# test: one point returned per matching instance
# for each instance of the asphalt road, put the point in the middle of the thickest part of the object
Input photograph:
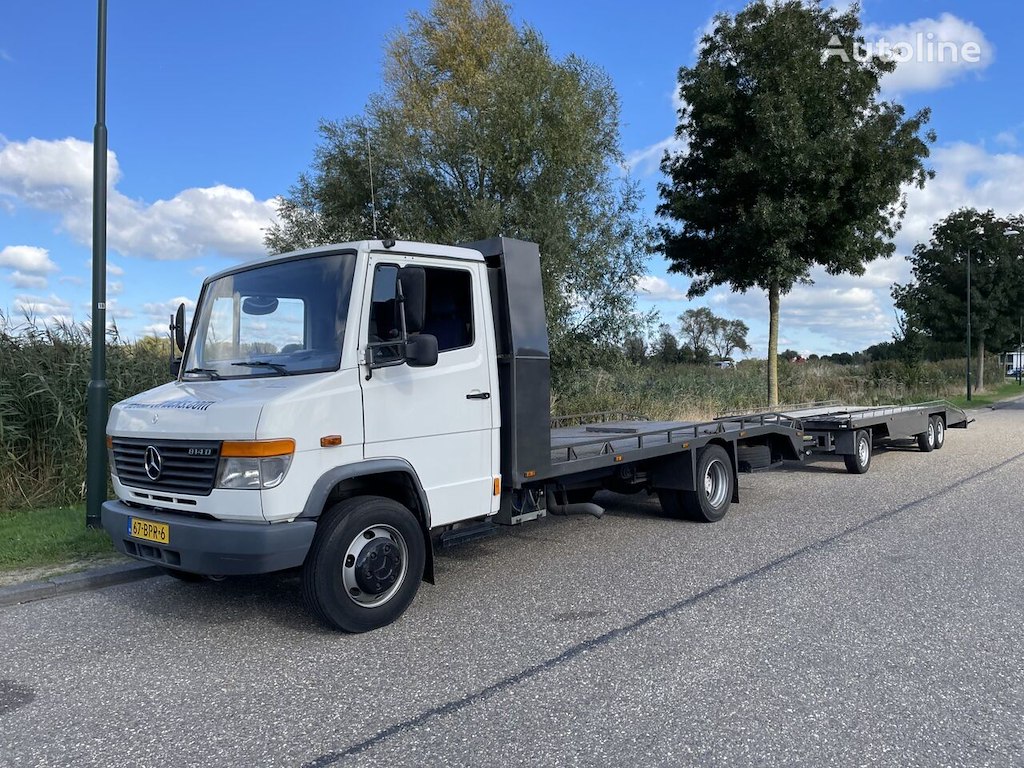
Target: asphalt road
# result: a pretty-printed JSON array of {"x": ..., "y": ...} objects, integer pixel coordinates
[{"x": 830, "y": 619}]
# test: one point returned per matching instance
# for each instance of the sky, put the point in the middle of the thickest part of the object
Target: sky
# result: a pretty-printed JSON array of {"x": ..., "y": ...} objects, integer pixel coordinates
[{"x": 212, "y": 110}]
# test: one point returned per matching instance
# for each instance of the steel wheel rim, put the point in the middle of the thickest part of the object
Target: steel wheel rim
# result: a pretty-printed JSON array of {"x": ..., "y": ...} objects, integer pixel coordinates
[
  {"x": 716, "y": 483},
  {"x": 353, "y": 589},
  {"x": 940, "y": 430},
  {"x": 863, "y": 451},
  {"x": 931, "y": 433}
]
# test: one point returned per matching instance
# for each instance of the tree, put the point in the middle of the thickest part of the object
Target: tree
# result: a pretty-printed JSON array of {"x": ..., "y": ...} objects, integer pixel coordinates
[
  {"x": 792, "y": 161},
  {"x": 635, "y": 349},
  {"x": 666, "y": 347},
  {"x": 479, "y": 130},
  {"x": 700, "y": 326},
  {"x": 936, "y": 301},
  {"x": 730, "y": 335}
]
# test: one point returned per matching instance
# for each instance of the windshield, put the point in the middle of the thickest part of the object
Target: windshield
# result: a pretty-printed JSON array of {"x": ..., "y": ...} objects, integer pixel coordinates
[{"x": 284, "y": 318}]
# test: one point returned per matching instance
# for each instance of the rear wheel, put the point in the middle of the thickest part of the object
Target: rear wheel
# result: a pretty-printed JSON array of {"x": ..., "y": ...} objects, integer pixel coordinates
[
  {"x": 926, "y": 440},
  {"x": 710, "y": 501},
  {"x": 860, "y": 460},
  {"x": 365, "y": 565},
  {"x": 940, "y": 431}
]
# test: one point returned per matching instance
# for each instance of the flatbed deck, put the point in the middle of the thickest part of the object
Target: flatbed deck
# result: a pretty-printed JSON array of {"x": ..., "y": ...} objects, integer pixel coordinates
[
  {"x": 592, "y": 441},
  {"x": 833, "y": 416}
]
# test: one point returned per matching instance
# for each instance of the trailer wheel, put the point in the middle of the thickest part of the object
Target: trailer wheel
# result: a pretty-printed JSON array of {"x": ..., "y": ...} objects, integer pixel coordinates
[
  {"x": 713, "y": 495},
  {"x": 860, "y": 460},
  {"x": 365, "y": 565},
  {"x": 926, "y": 440},
  {"x": 940, "y": 431}
]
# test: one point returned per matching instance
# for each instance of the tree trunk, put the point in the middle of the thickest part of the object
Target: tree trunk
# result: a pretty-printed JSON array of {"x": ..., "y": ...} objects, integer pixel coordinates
[
  {"x": 981, "y": 364},
  {"x": 773, "y": 344}
]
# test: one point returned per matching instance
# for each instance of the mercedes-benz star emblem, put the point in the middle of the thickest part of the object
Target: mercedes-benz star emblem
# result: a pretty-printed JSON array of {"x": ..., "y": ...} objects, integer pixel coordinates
[{"x": 153, "y": 463}]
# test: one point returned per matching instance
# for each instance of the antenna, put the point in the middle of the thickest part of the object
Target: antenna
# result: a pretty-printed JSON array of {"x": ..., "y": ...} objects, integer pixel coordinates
[{"x": 373, "y": 201}]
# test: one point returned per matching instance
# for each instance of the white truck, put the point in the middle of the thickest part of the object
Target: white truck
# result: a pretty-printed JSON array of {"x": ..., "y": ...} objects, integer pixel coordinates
[{"x": 339, "y": 409}]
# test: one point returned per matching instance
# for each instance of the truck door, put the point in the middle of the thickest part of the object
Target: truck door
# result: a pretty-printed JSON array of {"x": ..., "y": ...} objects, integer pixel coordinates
[{"x": 438, "y": 418}]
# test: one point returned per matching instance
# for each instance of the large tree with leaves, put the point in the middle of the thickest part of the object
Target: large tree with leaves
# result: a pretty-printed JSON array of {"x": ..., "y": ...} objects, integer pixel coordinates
[
  {"x": 792, "y": 160},
  {"x": 935, "y": 302},
  {"x": 480, "y": 131}
]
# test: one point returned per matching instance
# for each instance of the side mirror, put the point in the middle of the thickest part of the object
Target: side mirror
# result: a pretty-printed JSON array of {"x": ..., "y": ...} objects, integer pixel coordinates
[
  {"x": 421, "y": 350},
  {"x": 175, "y": 367},
  {"x": 178, "y": 327}
]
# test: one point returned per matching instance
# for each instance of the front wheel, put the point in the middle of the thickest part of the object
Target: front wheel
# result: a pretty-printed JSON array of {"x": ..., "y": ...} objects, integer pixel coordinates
[
  {"x": 710, "y": 500},
  {"x": 365, "y": 565},
  {"x": 939, "y": 427}
]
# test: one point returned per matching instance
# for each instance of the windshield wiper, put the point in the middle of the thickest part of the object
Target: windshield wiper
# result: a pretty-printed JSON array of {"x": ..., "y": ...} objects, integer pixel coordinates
[
  {"x": 208, "y": 371},
  {"x": 264, "y": 364}
]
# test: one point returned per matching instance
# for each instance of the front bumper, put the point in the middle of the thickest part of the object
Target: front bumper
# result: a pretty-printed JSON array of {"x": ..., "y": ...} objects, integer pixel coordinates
[{"x": 211, "y": 547}]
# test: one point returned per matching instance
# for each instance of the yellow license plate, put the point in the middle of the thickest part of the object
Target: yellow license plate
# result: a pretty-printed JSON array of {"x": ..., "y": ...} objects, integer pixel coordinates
[{"x": 148, "y": 530}]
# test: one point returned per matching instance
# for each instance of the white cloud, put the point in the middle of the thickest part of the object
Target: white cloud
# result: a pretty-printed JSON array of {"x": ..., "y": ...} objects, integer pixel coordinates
[
  {"x": 113, "y": 269},
  {"x": 47, "y": 310},
  {"x": 71, "y": 279},
  {"x": 198, "y": 271},
  {"x": 1007, "y": 139},
  {"x": 939, "y": 51},
  {"x": 159, "y": 312},
  {"x": 647, "y": 161},
  {"x": 114, "y": 310},
  {"x": 56, "y": 176},
  {"x": 657, "y": 289},
  {"x": 115, "y": 287},
  {"x": 165, "y": 308},
  {"x": 27, "y": 258},
  {"x": 32, "y": 282}
]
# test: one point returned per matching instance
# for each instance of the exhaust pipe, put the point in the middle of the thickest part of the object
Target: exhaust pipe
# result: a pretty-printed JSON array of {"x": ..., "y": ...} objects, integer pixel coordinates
[{"x": 589, "y": 508}]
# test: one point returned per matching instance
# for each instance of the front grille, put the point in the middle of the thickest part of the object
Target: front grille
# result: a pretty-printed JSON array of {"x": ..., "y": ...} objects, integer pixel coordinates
[{"x": 187, "y": 466}]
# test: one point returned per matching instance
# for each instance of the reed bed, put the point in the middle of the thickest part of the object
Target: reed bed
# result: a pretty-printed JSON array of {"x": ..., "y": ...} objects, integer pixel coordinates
[{"x": 44, "y": 375}]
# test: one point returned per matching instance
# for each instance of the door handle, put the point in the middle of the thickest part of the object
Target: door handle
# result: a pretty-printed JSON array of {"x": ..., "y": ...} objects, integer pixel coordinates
[{"x": 479, "y": 396}]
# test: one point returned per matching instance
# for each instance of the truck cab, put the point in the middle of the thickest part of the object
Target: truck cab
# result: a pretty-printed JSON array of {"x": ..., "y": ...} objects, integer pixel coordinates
[{"x": 362, "y": 370}]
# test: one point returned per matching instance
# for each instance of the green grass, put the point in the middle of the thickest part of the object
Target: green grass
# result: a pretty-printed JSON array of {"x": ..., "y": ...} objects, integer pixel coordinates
[
  {"x": 41, "y": 537},
  {"x": 989, "y": 396}
]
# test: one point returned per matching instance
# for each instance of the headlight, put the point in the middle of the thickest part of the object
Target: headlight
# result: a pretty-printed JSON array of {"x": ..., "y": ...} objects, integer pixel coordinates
[{"x": 254, "y": 464}]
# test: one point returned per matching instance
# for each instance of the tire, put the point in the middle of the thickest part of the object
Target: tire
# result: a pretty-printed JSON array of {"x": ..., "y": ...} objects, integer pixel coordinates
[
  {"x": 710, "y": 502},
  {"x": 753, "y": 456},
  {"x": 186, "y": 576},
  {"x": 926, "y": 440},
  {"x": 340, "y": 584},
  {"x": 940, "y": 431},
  {"x": 860, "y": 460}
]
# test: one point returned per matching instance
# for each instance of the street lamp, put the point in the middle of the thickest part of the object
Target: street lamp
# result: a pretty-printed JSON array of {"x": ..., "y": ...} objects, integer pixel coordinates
[
  {"x": 1009, "y": 232},
  {"x": 1020, "y": 327},
  {"x": 979, "y": 230}
]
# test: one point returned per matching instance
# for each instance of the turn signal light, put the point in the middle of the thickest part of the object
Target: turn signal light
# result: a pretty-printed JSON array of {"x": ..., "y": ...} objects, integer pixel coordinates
[{"x": 257, "y": 448}]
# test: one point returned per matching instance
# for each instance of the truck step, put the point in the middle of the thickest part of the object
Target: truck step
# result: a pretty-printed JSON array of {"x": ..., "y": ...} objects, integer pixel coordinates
[{"x": 465, "y": 534}]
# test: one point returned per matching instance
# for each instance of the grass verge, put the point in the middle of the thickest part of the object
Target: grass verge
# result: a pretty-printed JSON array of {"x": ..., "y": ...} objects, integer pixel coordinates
[
  {"x": 989, "y": 396},
  {"x": 40, "y": 537}
]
